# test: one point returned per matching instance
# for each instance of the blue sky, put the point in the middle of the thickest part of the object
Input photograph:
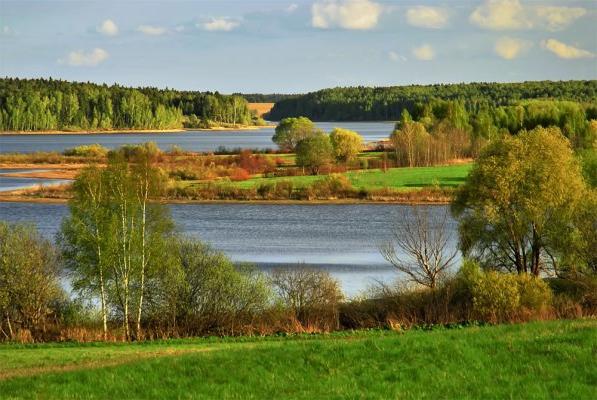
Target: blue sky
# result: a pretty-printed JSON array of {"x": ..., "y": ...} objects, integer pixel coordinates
[{"x": 289, "y": 46}]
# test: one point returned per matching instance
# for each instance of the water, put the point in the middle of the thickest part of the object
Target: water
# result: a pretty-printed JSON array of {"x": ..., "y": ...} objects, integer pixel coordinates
[
  {"x": 342, "y": 239},
  {"x": 189, "y": 140},
  {"x": 8, "y": 183}
]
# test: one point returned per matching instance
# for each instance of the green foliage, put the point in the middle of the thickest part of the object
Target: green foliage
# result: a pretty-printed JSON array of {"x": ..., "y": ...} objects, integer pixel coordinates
[
  {"x": 347, "y": 144},
  {"x": 588, "y": 161},
  {"x": 208, "y": 293},
  {"x": 498, "y": 297},
  {"x": 113, "y": 242},
  {"x": 290, "y": 131},
  {"x": 518, "y": 205},
  {"x": 481, "y": 110},
  {"x": 314, "y": 152},
  {"x": 29, "y": 272},
  {"x": 40, "y": 104},
  {"x": 92, "y": 150}
]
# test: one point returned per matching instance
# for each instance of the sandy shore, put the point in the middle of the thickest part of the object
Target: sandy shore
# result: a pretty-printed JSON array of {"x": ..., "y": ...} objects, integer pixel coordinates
[{"x": 137, "y": 131}]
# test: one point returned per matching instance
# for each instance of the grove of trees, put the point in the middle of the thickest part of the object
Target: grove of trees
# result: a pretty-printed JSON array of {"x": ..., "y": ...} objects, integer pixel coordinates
[
  {"x": 386, "y": 103},
  {"x": 47, "y": 104}
]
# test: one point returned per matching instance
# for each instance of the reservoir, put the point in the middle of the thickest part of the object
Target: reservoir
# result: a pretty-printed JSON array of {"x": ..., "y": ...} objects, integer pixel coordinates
[
  {"x": 200, "y": 141},
  {"x": 342, "y": 239}
]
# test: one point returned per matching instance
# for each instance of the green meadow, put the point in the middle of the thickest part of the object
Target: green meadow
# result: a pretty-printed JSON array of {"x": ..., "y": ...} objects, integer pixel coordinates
[
  {"x": 394, "y": 178},
  {"x": 555, "y": 359}
]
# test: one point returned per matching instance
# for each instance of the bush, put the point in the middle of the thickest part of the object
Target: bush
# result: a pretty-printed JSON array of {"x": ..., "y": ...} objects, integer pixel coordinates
[
  {"x": 495, "y": 296},
  {"x": 207, "y": 293},
  {"x": 498, "y": 297},
  {"x": 332, "y": 186},
  {"x": 239, "y": 174},
  {"x": 312, "y": 295},
  {"x": 92, "y": 150}
]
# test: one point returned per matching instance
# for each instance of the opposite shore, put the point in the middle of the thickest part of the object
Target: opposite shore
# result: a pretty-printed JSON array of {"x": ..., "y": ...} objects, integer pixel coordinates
[{"x": 137, "y": 131}]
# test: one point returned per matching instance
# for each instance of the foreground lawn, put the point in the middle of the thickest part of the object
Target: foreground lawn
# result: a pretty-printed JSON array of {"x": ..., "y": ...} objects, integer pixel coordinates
[
  {"x": 394, "y": 178},
  {"x": 536, "y": 360}
]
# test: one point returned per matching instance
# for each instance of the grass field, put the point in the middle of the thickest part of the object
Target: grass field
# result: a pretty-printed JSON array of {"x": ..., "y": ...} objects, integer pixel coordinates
[
  {"x": 394, "y": 178},
  {"x": 537, "y": 360}
]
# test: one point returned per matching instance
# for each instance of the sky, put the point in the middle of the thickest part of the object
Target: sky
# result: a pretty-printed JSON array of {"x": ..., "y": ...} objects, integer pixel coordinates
[{"x": 294, "y": 46}]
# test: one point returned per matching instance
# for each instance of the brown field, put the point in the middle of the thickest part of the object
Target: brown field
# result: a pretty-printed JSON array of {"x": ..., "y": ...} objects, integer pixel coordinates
[{"x": 261, "y": 108}]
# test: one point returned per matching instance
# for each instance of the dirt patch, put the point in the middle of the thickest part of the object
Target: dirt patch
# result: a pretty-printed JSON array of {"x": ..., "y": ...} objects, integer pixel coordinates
[{"x": 95, "y": 364}]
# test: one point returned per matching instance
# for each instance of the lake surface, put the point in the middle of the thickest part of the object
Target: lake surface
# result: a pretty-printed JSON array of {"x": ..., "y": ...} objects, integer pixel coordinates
[
  {"x": 189, "y": 140},
  {"x": 342, "y": 239},
  {"x": 8, "y": 183}
]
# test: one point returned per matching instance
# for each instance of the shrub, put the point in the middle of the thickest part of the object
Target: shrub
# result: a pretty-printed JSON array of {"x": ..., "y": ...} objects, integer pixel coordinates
[
  {"x": 332, "y": 185},
  {"x": 535, "y": 293},
  {"x": 495, "y": 296},
  {"x": 312, "y": 295},
  {"x": 92, "y": 150},
  {"x": 239, "y": 174}
]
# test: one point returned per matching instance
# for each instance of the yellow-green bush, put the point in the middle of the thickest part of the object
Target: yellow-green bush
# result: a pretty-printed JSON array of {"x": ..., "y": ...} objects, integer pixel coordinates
[
  {"x": 499, "y": 297},
  {"x": 496, "y": 296},
  {"x": 535, "y": 293}
]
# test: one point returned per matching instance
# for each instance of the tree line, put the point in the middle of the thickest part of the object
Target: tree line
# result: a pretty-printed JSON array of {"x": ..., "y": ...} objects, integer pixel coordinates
[
  {"x": 48, "y": 104},
  {"x": 387, "y": 103}
]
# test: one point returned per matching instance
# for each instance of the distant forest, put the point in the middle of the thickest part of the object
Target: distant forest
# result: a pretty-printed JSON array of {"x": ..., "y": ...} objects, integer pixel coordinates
[
  {"x": 266, "y": 98},
  {"x": 47, "y": 104},
  {"x": 387, "y": 103}
]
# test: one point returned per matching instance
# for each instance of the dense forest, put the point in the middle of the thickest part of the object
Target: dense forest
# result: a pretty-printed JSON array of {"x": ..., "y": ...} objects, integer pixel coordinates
[
  {"x": 265, "y": 98},
  {"x": 387, "y": 103},
  {"x": 47, "y": 104}
]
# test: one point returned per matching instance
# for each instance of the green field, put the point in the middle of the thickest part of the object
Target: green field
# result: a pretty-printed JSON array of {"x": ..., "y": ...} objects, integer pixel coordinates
[
  {"x": 394, "y": 178},
  {"x": 537, "y": 360}
]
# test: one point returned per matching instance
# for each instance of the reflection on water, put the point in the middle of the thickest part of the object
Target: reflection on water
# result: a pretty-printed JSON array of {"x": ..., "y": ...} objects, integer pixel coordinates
[
  {"x": 190, "y": 140},
  {"x": 342, "y": 239},
  {"x": 9, "y": 183}
]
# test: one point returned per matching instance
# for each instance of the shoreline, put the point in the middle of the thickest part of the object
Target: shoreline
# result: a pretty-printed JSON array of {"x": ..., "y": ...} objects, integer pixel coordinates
[
  {"x": 6, "y": 197},
  {"x": 134, "y": 131}
]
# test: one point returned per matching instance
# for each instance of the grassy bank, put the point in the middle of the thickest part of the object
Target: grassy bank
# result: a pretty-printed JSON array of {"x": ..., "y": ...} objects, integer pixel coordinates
[
  {"x": 393, "y": 178},
  {"x": 537, "y": 360}
]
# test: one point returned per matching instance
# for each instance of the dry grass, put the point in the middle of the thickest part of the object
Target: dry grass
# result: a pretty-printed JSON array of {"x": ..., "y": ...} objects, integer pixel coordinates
[{"x": 261, "y": 108}]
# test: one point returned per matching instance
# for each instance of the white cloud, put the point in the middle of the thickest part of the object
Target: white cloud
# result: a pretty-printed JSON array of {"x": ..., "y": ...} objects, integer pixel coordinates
[
  {"x": 108, "y": 28},
  {"x": 219, "y": 24},
  {"x": 424, "y": 53},
  {"x": 179, "y": 28},
  {"x": 557, "y": 18},
  {"x": 564, "y": 50},
  {"x": 427, "y": 17},
  {"x": 347, "y": 14},
  {"x": 501, "y": 15},
  {"x": 510, "y": 48},
  {"x": 392, "y": 55},
  {"x": 151, "y": 30},
  {"x": 292, "y": 8},
  {"x": 513, "y": 15},
  {"x": 81, "y": 58},
  {"x": 6, "y": 31}
]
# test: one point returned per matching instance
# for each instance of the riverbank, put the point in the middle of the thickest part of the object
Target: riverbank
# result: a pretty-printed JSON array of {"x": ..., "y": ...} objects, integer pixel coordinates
[{"x": 137, "y": 131}]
